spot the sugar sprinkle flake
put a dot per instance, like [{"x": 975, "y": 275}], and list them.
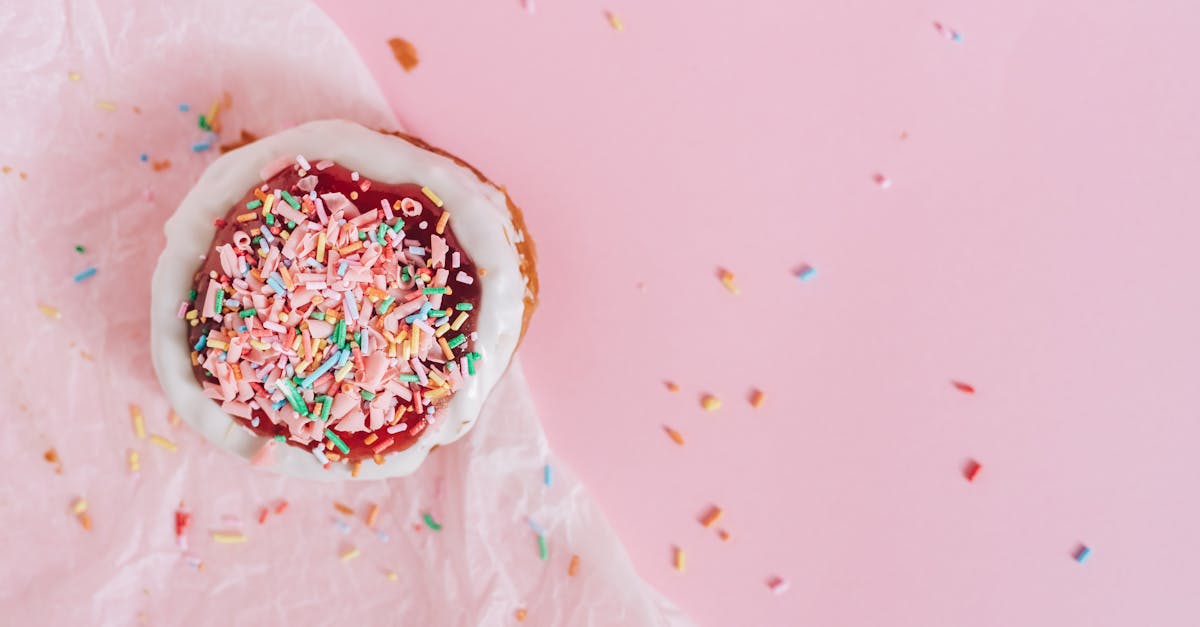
[
  {"x": 106, "y": 105},
  {"x": 226, "y": 537},
  {"x": 757, "y": 397},
  {"x": 882, "y": 181},
  {"x": 726, "y": 278},
  {"x": 711, "y": 517},
  {"x": 404, "y": 52},
  {"x": 547, "y": 475},
  {"x": 573, "y": 567},
  {"x": 86, "y": 274},
  {"x": 163, "y": 443},
  {"x": 139, "y": 423},
  {"x": 675, "y": 436},
  {"x": 806, "y": 272}
]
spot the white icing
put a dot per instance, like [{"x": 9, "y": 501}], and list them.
[{"x": 480, "y": 219}]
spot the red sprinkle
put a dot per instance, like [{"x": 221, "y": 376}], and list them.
[
  {"x": 965, "y": 388},
  {"x": 262, "y": 515},
  {"x": 971, "y": 470},
  {"x": 281, "y": 507},
  {"x": 219, "y": 223}
]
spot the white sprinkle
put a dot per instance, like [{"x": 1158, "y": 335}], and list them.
[
  {"x": 354, "y": 176},
  {"x": 398, "y": 428},
  {"x": 302, "y": 162},
  {"x": 463, "y": 277}
]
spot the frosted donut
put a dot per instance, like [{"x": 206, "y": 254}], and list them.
[{"x": 334, "y": 302}]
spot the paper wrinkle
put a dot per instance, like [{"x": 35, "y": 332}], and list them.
[{"x": 87, "y": 186}]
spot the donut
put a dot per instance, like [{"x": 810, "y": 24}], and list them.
[{"x": 334, "y": 302}]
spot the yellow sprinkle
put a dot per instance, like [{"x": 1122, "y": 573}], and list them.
[
  {"x": 287, "y": 279},
  {"x": 79, "y": 506},
  {"x": 446, "y": 352},
  {"x": 321, "y": 247},
  {"x": 163, "y": 442},
  {"x": 134, "y": 461},
  {"x": 50, "y": 312},
  {"x": 173, "y": 418},
  {"x": 259, "y": 344},
  {"x": 267, "y": 204},
  {"x": 432, "y": 196},
  {"x": 139, "y": 426},
  {"x": 222, "y": 537},
  {"x": 436, "y": 378},
  {"x": 440, "y": 331},
  {"x": 680, "y": 559},
  {"x": 349, "y": 554},
  {"x": 192, "y": 315},
  {"x": 214, "y": 343},
  {"x": 106, "y": 105},
  {"x": 458, "y": 322},
  {"x": 710, "y": 402},
  {"x": 343, "y": 371},
  {"x": 727, "y": 281},
  {"x": 74, "y": 76},
  {"x": 614, "y": 21},
  {"x": 392, "y": 576},
  {"x": 346, "y": 250},
  {"x": 246, "y": 217},
  {"x": 757, "y": 397},
  {"x": 441, "y": 225},
  {"x": 282, "y": 316},
  {"x": 414, "y": 340}
]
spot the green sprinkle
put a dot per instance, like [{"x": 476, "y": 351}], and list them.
[
  {"x": 246, "y": 313},
  {"x": 404, "y": 275},
  {"x": 291, "y": 225},
  {"x": 358, "y": 338},
  {"x": 203, "y": 122},
  {"x": 80, "y": 249},
  {"x": 339, "y": 332},
  {"x": 289, "y": 392},
  {"x": 438, "y": 313},
  {"x": 291, "y": 200},
  {"x": 220, "y": 300},
  {"x": 434, "y": 290},
  {"x": 326, "y": 403},
  {"x": 280, "y": 438},
  {"x": 337, "y": 441},
  {"x": 270, "y": 219},
  {"x": 464, "y": 306},
  {"x": 192, "y": 295},
  {"x": 409, "y": 378},
  {"x": 542, "y": 551},
  {"x": 470, "y": 364},
  {"x": 257, "y": 238},
  {"x": 457, "y": 341},
  {"x": 317, "y": 315},
  {"x": 379, "y": 235},
  {"x": 385, "y": 304},
  {"x": 254, "y": 204},
  {"x": 398, "y": 226},
  {"x": 362, "y": 236},
  {"x": 368, "y": 395},
  {"x": 431, "y": 523}
]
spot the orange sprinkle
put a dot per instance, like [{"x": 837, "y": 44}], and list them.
[
  {"x": 671, "y": 386},
  {"x": 378, "y": 459},
  {"x": 86, "y": 521},
  {"x": 79, "y": 506},
  {"x": 710, "y": 402},
  {"x": 965, "y": 388},
  {"x": 372, "y": 515},
  {"x": 346, "y": 250},
  {"x": 281, "y": 507},
  {"x": 349, "y": 554},
  {"x": 173, "y": 418},
  {"x": 106, "y": 105},
  {"x": 727, "y": 280},
  {"x": 343, "y": 508},
  {"x": 139, "y": 425},
  {"x": 756, "y": 398},
  {"x": 246, "y": 217},
  {"x": 614, "y": 21},
  {"x": 405, "y": 53},
  {"x": 161, "y": 165},
  {"x": 370, "y": 439},
  {"x": 676, "y": 436},
  {"x": 573, "y": 568},
  {"x": 441, "y": 225},
  {"x": 521, "y": 614},
  {"x": 51, "y": 456},
  {"x": 355, "y": 467},
  {"x": 709, "y": 519},
  {"x": 723, "y": 535},
  {"x": 680, "y": 559}
]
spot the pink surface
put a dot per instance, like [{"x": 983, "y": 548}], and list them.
[{"x": 1038, "y": 242}]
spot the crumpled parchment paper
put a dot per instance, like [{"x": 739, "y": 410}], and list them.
[{"x": 87, "y": 88}]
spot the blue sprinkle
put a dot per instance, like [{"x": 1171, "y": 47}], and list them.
[
  {"x": 546, "y": 477},
  {"x": 1082, "y": 554},
  {"x": 957, "y": 37},
  {"x": 143, "y": 157},
  {"x": 417, "y": 250},
  {"x": 279, "y": 405},
  {"x": 538, "y": 529},
  {"x": 806, "y": 273},
  {"x": 343, "y": 527},
  {"x": 343, "y": 357},
  {"x": 203, "y": 340},
  {"x": 342, "y": 268},
  {"x": 86, "y": 274},
  {"x": 184, "y": 107},
  {"x": 201, "y": 146}
]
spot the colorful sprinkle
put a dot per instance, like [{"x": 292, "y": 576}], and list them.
[
  {"x": 1082, "y": 553},
  {"x": 164, "y": 443},
  {"x": 614, "y": 21},
  {"x": 710, "y": 402},
  {"x": 521, "y": 614},
  {"x": 711, "y": 517},
  {"x": 756, "y": 398},
  {"x": 139, "y": 426},
  {"x": 965, "y": 388},
  {"x": 49, "y": 312},
  {"x": 225, "y": 537},
  {"x": 806, "y": 272},
  {"x": 372, "y": 515},
  {"x": 882, "y": 181},
  {"x": 573, "y": 567},
  {"x": 431, "y": 523},
  {"x": 86, "y": 274},
  {"x": 404, "y": 52},
  {"x": 547, "y": 477},
  {"x": 343, "y": 508},
  {"x": 106, "y": 105},
  {"x": 674, "y": 435},
  {"x": 726, "y": 278},
  {"x": 778, "y": 585},
  {"x": 971, "y": 470},
  {"x": 349, "y": 554},
  {"x": 543, "y": 552},
  {"x": 680, "y": 559}
]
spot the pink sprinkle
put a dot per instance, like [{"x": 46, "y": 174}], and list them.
[
  {"x": 183, "y": 309},
  {"x": 882, "y": 181},
  {"x": 529, "y": 6},
  {"x": 302, "y": 162},
  {"x": 323, "y": 163},
  {"x": 387, "y": 209},
  {"x": 778, "y": 584},
  {"x": 398, "y": 428},
  {"x": 463, "y": 277}
]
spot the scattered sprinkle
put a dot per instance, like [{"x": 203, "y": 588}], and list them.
[
  {"x": 1082, "y": 553},
  {"x": 160, "y": 165},
  {"x": 86, "y": 274},
  {"x": 139, "y": 425},
  {"x": 710, "y": 402},
  {"x": 537, "y": 528},
  {"x": 173, "y": 418},
  {"x": 162, "y": 442},
  {"x": 778, "y": 584},
  {"x": 372, "y": 515},
  {"x": 392, "y": 576},
  {"x": 573, "y": 567},
  {"x": 547, "y": 477},
  {"x": 343, "y": 508},
  {"x": 614, "y": 21},
  {"x": 520, "y": 614},
  {"x": 756, "y": 398},
  {"x": 723, "y": 535},
  {"x": 543, "y": 552},
  {"x": 74, "y": 76},
  {"x": 727, "y": 280},
  {"x": 680, "y": 559},
  {"x": 965, "y": 388},
  {"x": 711, "y": 517},
  {"x": 947, "y": 32},
  {"x": 405, "y": 53},
  {"x": 971, "y": 470},
  {"x": 671, "y": 386},
  {"x": 806, "y": 272},
  {"x": 350, "y": 554},
  {"x": 79, "y": 506},
  {"x": 80, "y": 249},
  {"x": 86, "y": 520},
  {"x": 431, "y": 523},
  {"x": 133, "y": 459},
  {"x": 882, "y": 181},
  {"x": 105, "y": 105},
  {"x": 225, "y": 537},
  {"x": 50, "y": 312},
  {"x": 675, "y": 436},
  {"x": 51, "y": 456}
]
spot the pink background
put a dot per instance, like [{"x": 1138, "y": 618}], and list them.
[{"x": 1039, "y": 241}]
